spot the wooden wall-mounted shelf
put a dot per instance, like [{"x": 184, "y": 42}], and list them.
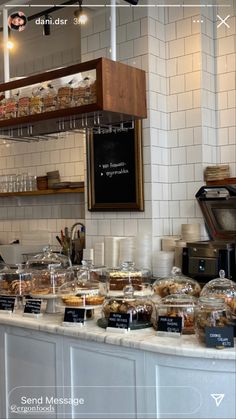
[
  {"x": 42, "y": 192},
  {"x": 222, "y": 182},
  {"x": 120, "y": 97}
]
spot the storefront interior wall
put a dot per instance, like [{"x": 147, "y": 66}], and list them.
[{"x": 190, "y": 73}]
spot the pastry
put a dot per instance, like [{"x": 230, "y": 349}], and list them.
[
  {"x": 72, "y": 300},
  {"x": 41, "y": 291},
  {"x": 94, "y": 299},
  {"x": 18, "y": 287}
]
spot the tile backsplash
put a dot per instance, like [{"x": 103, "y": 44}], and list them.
[
  {"x": 190, "y": 72},
  {"x": 46, "y": 212}
]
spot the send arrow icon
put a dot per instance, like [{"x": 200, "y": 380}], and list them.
[{"x": 218, "y": 398}]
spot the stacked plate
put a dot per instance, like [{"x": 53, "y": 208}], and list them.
[
  {"x": 190, "y": 232},
  {"x": 217, "y": 172},
  {"x": 88, "y": 254},
  {"x": 163, "y": 264},
  {"x": 143, "y": 252},
  {"x": 111, "y": 251},
  {"x": 168, "y": 243},
  {"x": 179, "y": 245},
  {"x": 127, "y": 250},
  {"x": 99, "y": 254}
]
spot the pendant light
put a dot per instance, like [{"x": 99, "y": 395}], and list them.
[{"x": 81, "y": 15}]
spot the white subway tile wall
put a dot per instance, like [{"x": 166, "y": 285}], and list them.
[
  {"x": 191, "y": 123},
  {"x": 50, "y": 212}
]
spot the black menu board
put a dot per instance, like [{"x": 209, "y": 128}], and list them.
[
  {"x": 74, "y": 315},
  {"x": 219, "y": 337},
  {"x": 119, "y": 320},
  {"x": 32, "y": 306},
  {"x": 7, "y": 303},
  {"x": 115, "y": 170}
]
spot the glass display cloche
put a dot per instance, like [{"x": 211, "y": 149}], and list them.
[
  {"x": 17, "y": 282},
  {"x": 222, "y": 288},
  {"x": 85, "y": 289},
  {"x": 128, "y": 275},
  {"x": 48, "y": 258},
  {"x": 178, "y": 305},
  {"x": 211, "y": 312},
  {"x": 177, "y": 283},
  {"x": 139, "y": 308}
]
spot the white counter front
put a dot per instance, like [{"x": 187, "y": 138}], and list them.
[{"x": 52, "y": 371}]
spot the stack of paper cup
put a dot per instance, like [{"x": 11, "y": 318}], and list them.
[
  {"x": 111, "y": 251},
  {"x": 179, "y": 245},
  {"x": 190, "y": 232},
  {"x": 88, "y": 254},
  {"x": 127, "y": 250},
  {"x": 99, "y": 254},
  {"x": 143, "y": 253},
  {"x": 163, "y": 263},
  {"x": 168, "y": 243}
]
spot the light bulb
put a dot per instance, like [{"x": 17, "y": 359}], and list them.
[
  {"x": 83, "y": 18},
  {"x": 10, "y": 45}
]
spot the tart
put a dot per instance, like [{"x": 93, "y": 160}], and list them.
[{"x": 94, "y": 300}]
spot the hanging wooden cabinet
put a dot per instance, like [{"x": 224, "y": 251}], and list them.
[{"x": 120, "y": 96}]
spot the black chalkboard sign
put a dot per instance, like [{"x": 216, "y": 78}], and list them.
[
  {"x": 119, "y": 320},
  {"x": 219, "y": 337},
  {"x": 115, "y": 172},
  {"x": 7, "y": 303},
  {"x": 32, "y": 306},
  {"x": 74, "y": 315},
  {"x": 169, "y": 324}
]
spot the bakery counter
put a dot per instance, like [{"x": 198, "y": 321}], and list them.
[{"x": 50, "y": 370}]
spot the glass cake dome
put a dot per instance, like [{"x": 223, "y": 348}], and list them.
[
  {"x": 177, "y": 283},
  {"x": 221, "y": 288}
]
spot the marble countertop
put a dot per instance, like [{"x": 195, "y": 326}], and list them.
[{"x": 144, "y": 339}]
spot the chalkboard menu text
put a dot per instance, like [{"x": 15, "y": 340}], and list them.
[
  {"x": 219, "y": 337},
  {"x": 119, "y": 320},
  {"x": 115, "y": 172},
  {"x": 7, "y": 303}
]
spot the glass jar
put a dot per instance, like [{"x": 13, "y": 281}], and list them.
[
  {"x": 49, "y": 98},
  {"x": 15, "y": 282},
  {"x": 126, "y": 275},
  {"x": 23, "y": 106},
  {"x": 177, "y": 283},
  {"x": 222, "y": 288},
  {"x": 11, "y": 107},
  {"x": 211, "y": 312},
  {"x": 36, "y": 100},
  {"x": 178, "y": 305},
  {"x": 64, "y": 96},
  {"x": 2, "y": 108}
]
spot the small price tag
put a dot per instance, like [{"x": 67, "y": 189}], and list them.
[
  {"x": 169, "y": 325},
  {"x": 119, "y": 320},
  {"x": 7, "y": 303},
  {"x": 32, "y": 307},
  {"x": 219, "y": 337},
  {"x": 74, "y": 315}
]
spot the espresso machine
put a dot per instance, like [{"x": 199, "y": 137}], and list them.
[{"x": 204, "y": 259}]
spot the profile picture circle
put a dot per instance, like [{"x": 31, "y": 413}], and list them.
[{"x": 17, "y": 21}]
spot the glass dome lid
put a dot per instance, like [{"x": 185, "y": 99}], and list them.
[
  {"x": 129, "y": 276},
  {"x": 15, "y": 281},
  {"x": 48, "y": 258},
  {"x": 139, "y": 308},
  {"x": 221, "y": 288},
  {"x": 177, "y": 283}
]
